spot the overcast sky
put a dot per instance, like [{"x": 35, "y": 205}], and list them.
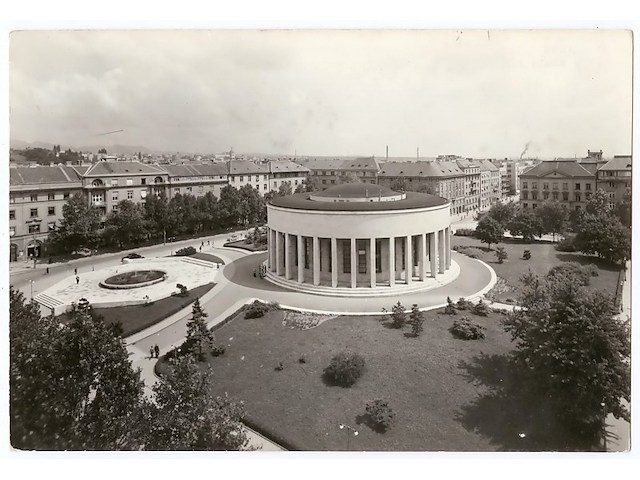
[{"x": 472, "y": 93}]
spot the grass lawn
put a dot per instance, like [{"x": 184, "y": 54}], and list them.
[
  {"x": 423, "y": 378},
  {"x": 544, "y": 256},
  {"x": 208, "y": 257},
  {"x": 136, "y": 318}
]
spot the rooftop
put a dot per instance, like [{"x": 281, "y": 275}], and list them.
[
  {"x": 410, "y": 200},
  {"x": 619, "y": 162},
  {"x": 564, "y": 167},
  {"x": 122, "y": 168},
  {"x": 42, "y": 175}
]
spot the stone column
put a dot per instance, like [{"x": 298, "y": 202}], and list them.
[
  {"x": 408, "y": 260},
  {"x": 392, "y": 261},
  {"x": 433, "y": 246},
  {"x": 279, "y": 261},
  {"x": 447, "y": 247},
  {"x": 372, "y": 261},
  {"x": 287, "y": 257},
  {"x": 441, "y": 259},
  {"x": 422, "y": 256},
  {"x": 316, "y": 261},
  {"x": 334, "y": 262},
  {"x": 301, "y": 259},
  {"x": 354, "y": 263}
]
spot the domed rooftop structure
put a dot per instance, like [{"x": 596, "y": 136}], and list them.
[{"x": 358, "y": 196}]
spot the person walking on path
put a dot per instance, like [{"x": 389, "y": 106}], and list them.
[
  {"x": 75, "y": 271},
  {"x": 151, "y": 352},
  {"x": 156, "y": 350},
  {"x": 77, "y": 280}
]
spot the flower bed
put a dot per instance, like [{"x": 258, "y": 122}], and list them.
[
  {"x": 304, "y": 321},
  {"x": 134, "y": 279}
]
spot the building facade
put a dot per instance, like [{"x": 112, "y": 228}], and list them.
[
  {"x": 357, "y": 239},
  {"x": 36, "y": 198},
  {"x": 196, "y": 179},
  {"x": 564, "y": 181},
  {"x": 329, "y": 172},
  {"x": 614, "y": 177},
  {"x": 286, "y": 172}
]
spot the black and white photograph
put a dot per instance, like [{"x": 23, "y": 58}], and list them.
[{"x": 320, "y": 240}]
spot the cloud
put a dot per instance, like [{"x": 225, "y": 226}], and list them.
[{"x": 323, "y": 92}]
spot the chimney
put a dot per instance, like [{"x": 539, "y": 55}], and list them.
[{"x": 387, "y": 153}]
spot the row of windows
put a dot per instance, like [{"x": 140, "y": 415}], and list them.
[
  {"x": 33, "y": 213},
  {"x": 35, "y": 197},
  {"x": 545, "y": 186},
  {"x": 555, "y": 196}
]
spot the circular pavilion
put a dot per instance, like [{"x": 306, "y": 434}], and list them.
[{"x": 359, "y": 239}]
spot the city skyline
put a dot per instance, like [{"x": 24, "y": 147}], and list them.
[{"x": 491, "y": 93}]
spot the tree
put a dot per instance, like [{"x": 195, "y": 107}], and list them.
[
  {"x": 489, "y": 230},
  {"x": 284, "y": 189},
  {"x": 623, "y": 208},
  {"x": 229, "y": 206},
  {"x": 605, "y": 236},
  {"x": 126, "y": 226},
  {"x": 310, "y": 184},
  {"x": 79, "y": 226},
  {"x": 598, "y": 204},
  {"x": 501, "y": 213},
  {"x": 349, "y": 177},
  {"x": 252, "y": 206},
  {"x": 198, "y": 334},
  {"x": 553, "y": 217},
  {"x": 156, "y": 215},
  {"x": 416, "y": 319},
  {"x": 578, "y": 378},
  {"x": 187, "y": 416},
  {"x": 501, "y": 254},
  {"x": 398, "y": 316},
  {"x": 399, "y": 185},
  {"x": 71, "y": 387},
  {"x": 526, "y": 224}
]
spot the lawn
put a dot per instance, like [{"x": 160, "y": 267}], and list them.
[
  {"x": 136, "y": 318},
  {"x": 423, "y": 378},
  {"x": 208, "y": 257},
  {"x": 247, "y": 246},
  {"x": 544, "y": 256}
]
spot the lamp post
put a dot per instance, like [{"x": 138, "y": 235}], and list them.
[
  {"x": 31, "y": 285},
  {"x": 604, "y": 425},
  {"x": 348, "y": 429}
]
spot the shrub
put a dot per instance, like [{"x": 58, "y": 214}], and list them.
[
  {"x": 398, "y": 316},
  {"x": 450, "y": 309},
  {"x": 380, "y": 413},
  {"x": 256, "y": 310},
  {"x": 464, "y": 329},
  {"x": 279, "y": 367},
  {"x": 302, "y": 359},
  {"x": 464, "y": 304},
  {"x": 572, "y": 269},
  {"x": 471, "y": 252},
  {"x": 501, "y": 254},
  {"x": 481, "y": 309},
  {"x": 345, "y": 368},
  {"x": 217, "y": 351},
  {"x": 527, "y": 255},
  {"x": 465, "y": 232},
  {"x": 416, "y": 319},
  {"x": 185, "y": 252},
  {"x": 566, "y": 245}
]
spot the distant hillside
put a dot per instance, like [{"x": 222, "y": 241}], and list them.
[{"x": 115, "y": 149}]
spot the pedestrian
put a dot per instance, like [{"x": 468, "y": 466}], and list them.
[
  {"x": 47, "y": 270},
  {"x": 75, "y": 271},
  {"x": 156, "y": 349},
  {"x": 208, "y": 242},
  {"x": 200, "y": 247},
  {"x": 254, "y": 272},
  {"x": 77, "y": 280},
  {"x": 151, "y": 352}
]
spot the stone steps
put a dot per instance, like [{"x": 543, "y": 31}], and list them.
[
  {"x": 47, "y": 301},
  {"x": 197, "y": 261}
]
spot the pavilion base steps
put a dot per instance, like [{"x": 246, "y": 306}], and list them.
[
  {"x": 49, "y": 302},
  {"x": 197, "y": 261}
]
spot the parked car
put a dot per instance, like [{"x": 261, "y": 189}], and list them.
[
  {"x": 85, "y": 252},
  {"x": 233, "y": 238},
  {"x": 132, "y": 256}
]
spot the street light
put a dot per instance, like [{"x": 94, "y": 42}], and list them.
[
  {"x": 604, "y": 425},
  {"x": 31, "y": 285},
  {"x": 347, "y": 427}
]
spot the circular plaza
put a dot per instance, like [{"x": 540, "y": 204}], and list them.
[{"x": 359, "y": 240}]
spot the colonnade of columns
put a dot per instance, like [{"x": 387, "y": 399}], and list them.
[{"x": 359, "y": 262}]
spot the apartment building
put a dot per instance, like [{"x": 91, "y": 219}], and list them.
[
  {"x": 335, "y": 171},
  {"x": 490, "y": 184},
  {"x": 245, "y": 172},
  {"x": 614, "y": 177},
  {"x": 196, "y": 179},
  {"x": 442, "y": 178},
  {"x": 566, "y": 181},
  {"x": 285, "y": 171},
  {"x": 36, "y": 198},
  {"x": 471, "y": 170}
]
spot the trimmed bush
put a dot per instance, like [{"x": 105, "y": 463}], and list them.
[
  {"x": 464, "y": 304},
  {"x": 185, "y": 252},
  {"x": 416, "y": 319},
  {"x": 465, "y": 232},
  {"x": 450, "y": 309},
  {"x": 464, "y": 329},
  {"x": 256, "y": 310},
  {"x": 526, "y": 255},
  {"x": 217, "y": 351},
  {"x": 471, "y": 252},
  {"x": 183, "y": 290},
  {"x": 380, "y": 413},
  {"x": 501, "y": 254},
  {"x": 572, "y": 269},
  {"x": 345, "y": 368},
  {"x": 566, "y": 245},
  {"x": 481, "y": 309},
  {"x": 398, "y": 316}
]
